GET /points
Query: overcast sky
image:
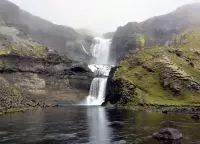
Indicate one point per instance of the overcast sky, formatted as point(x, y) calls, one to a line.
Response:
point(99, 15)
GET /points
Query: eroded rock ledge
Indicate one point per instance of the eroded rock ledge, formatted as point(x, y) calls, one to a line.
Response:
point(31, 81)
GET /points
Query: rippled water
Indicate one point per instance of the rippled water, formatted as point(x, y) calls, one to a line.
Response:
point(91, 125)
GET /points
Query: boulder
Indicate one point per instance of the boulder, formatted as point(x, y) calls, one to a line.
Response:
point(195, 117)
point(168, 134)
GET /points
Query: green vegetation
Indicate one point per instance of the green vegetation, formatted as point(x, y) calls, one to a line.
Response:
point(23, 47)
point(5, 51)
point(140, 40)
point(164, 76)
point(41, 51)
point(13, 110)
point(32, 50)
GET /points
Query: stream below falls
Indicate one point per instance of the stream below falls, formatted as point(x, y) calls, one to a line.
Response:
point(91, 125)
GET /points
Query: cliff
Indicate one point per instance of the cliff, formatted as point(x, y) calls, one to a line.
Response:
point(159, 76)
point(32, 74)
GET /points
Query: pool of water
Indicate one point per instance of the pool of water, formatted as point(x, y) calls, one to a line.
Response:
point(92, 125)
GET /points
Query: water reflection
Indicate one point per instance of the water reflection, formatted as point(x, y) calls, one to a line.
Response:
point(99, 131)
point(92, 125)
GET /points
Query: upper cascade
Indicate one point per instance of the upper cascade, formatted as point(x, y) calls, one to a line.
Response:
point(100, 50)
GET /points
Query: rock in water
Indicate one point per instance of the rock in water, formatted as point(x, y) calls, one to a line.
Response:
point(168, 134)
point(195, 117)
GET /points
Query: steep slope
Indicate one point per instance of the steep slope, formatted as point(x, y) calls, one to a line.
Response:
point(160, 76)
point(157, 31)
point(33, 75)
point(63, 39)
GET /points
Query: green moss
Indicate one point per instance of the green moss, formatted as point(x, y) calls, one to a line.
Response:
point(140, 39)
point(5, 51)
point(41, 51)
point(147, 69)
point(27, 49)
point(14, 110)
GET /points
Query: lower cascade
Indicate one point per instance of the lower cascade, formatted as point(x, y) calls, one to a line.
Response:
point(101, 68)
point(97, 91)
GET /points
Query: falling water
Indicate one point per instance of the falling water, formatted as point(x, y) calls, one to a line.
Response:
point(97, 91)
point(100, 50)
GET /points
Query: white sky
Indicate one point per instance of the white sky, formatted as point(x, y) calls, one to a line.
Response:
point(99, 15)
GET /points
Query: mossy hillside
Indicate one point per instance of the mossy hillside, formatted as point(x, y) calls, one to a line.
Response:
point(164, 76)
point(32, 50)
point(20, 44)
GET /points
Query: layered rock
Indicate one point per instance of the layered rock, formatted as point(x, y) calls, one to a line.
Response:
point(53, 76)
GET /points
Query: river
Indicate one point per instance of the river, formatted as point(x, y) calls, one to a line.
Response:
point(91, 125)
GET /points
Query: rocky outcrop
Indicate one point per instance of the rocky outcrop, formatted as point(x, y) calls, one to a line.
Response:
point(168, 134)
point(28, 80)
point(157, 31)
point(159, 76)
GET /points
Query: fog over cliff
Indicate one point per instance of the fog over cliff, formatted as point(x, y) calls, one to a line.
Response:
point(98, 15)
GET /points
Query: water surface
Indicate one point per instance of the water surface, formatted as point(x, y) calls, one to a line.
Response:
point(91, 125)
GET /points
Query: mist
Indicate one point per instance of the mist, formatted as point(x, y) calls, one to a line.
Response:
point(98, 15)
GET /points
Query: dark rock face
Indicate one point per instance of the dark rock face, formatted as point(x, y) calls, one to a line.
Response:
point(168, 134)
point(115, 92)
point(124, 40)
point(195, 117)
point(158, 31)
point(63, 39)
point(53, 65)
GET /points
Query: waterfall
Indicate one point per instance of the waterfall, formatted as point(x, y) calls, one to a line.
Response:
point(100, 50)
point(97, 91)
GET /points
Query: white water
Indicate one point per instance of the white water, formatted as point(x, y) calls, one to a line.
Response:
point(97, 91)
point(100, 50)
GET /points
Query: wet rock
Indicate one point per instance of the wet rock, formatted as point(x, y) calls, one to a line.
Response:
point(164, 111)
point(168, 134)
point(117, 124)
point(195, 117)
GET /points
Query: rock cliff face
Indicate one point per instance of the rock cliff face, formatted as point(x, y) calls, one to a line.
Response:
point(26, 80)
point(31, 73)
point(64, 40)
point(164, 76)
point(157, 31)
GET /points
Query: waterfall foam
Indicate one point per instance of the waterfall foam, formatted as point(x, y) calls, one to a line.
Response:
point(100, 50)
point(97, 91)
